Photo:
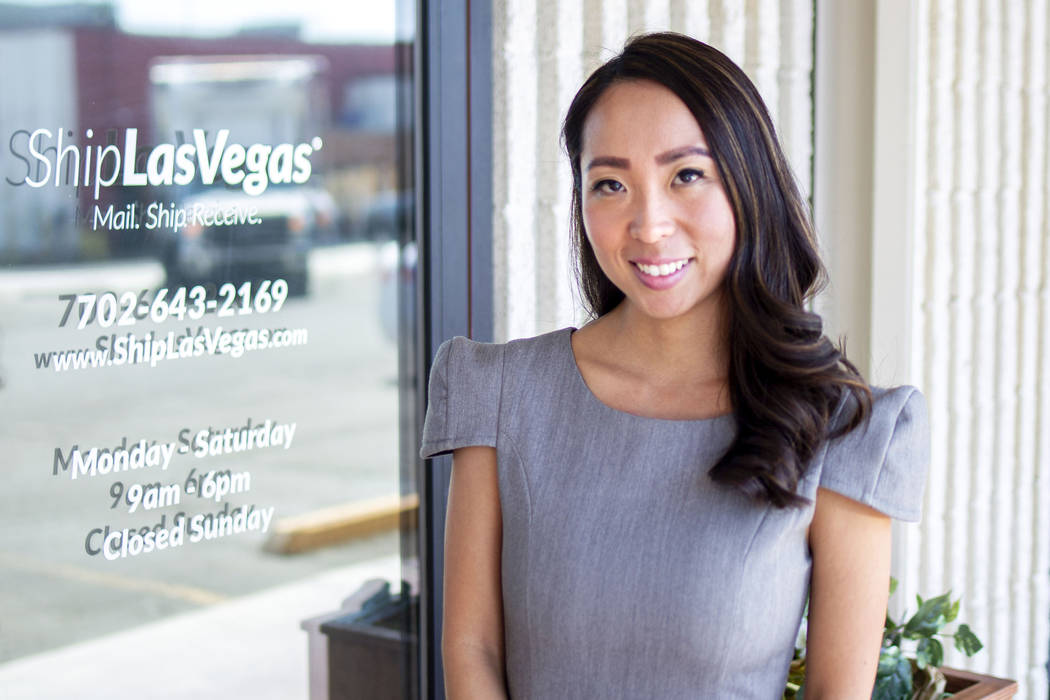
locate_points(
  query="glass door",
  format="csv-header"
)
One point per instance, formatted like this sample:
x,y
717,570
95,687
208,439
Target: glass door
x,y
208,406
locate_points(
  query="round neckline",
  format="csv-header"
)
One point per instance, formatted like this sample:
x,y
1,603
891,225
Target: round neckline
x,y
592,397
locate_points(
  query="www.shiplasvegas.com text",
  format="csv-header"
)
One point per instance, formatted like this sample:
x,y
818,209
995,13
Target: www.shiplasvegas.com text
x,y
131,349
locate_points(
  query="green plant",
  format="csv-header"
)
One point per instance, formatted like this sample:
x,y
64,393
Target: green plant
x,y
911,652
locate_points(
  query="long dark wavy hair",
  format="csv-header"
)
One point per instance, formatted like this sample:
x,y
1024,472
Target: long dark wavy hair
x,y
786,379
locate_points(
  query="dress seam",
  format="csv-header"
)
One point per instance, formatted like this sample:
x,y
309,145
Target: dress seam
x,y
504,438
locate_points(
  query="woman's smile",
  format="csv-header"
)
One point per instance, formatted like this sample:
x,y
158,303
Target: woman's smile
x,y
661,275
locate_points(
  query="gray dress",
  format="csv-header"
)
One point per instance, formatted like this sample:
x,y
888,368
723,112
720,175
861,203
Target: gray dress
x,y
626,571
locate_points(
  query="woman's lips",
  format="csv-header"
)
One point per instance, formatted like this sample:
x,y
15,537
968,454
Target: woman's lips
x,y
662,274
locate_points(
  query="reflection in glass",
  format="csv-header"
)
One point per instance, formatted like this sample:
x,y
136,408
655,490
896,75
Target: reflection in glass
x,y
206,270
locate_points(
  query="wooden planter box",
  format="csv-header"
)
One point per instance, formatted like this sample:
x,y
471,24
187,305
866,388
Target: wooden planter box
x,y
974,686
365,649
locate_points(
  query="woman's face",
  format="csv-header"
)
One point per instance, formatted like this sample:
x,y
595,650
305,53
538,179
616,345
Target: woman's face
x,y
654,209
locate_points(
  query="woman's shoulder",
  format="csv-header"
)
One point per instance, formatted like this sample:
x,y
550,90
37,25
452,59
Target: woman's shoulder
x,y
466,357
461,354
883,461
897,402
468,380
897,412
889,406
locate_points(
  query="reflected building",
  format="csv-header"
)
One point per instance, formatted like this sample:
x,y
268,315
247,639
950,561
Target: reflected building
x,y
87,76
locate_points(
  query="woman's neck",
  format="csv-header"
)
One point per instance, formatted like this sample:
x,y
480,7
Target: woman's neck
x,y
659,368
690,348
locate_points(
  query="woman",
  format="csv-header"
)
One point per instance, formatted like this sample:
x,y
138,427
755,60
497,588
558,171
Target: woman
x,y
639,508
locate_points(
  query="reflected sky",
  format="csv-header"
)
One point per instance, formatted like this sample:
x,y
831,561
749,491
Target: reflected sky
x,y
371,21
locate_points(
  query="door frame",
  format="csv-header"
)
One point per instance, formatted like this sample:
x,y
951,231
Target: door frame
x,y
454,229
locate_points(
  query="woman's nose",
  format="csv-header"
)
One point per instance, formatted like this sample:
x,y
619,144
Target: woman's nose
x,y
651,219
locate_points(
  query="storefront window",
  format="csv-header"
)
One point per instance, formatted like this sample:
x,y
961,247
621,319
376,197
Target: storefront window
x,y
207,328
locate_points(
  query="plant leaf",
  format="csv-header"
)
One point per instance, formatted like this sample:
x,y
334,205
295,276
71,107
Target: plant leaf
x,y
922,656
930,652
893,678
891,632
930,618
953,612
966,641
893,585
936,652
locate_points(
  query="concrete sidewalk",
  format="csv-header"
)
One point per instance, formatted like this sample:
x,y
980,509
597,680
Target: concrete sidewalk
x,y
251,648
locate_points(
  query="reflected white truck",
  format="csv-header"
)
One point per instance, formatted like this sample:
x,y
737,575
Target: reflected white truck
x,y
36,225
228,231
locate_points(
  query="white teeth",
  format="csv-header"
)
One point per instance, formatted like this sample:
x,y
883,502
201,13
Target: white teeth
x,y
663,269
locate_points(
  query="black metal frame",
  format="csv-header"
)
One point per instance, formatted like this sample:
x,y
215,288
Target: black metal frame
x,y
454,230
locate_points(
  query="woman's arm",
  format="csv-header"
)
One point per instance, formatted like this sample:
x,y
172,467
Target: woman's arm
x,y
850,543
472,639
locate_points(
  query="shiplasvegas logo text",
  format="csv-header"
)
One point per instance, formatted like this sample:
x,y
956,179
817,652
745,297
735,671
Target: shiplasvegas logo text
x,y
53,158
150,349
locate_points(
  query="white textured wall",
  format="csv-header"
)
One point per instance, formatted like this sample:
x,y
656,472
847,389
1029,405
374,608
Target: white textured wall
x,y
974,187
543,51
953,292
984,255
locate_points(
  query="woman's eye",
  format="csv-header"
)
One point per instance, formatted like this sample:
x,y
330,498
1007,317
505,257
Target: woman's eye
x,y
607,187
690,175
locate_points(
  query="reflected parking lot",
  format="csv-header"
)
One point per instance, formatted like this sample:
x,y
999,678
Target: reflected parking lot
x,y
345,445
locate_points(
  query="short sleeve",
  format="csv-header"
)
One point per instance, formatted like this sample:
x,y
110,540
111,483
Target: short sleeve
x,y
883,462
464,396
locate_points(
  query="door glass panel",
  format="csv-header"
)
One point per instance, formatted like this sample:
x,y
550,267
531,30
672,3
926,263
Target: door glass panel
x,y
206,301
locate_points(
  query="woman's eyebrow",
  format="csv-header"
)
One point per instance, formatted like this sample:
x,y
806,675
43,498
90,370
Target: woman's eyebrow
x,y
661,159
676,153
610,161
